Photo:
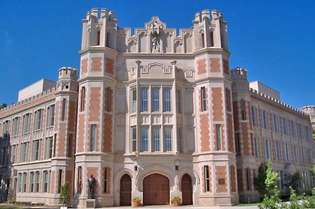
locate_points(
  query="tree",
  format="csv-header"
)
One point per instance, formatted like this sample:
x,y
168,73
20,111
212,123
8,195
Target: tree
x,y
64,194
259,181
271,199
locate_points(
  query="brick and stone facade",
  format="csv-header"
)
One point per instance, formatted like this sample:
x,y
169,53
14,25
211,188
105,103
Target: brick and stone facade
x,y
151,110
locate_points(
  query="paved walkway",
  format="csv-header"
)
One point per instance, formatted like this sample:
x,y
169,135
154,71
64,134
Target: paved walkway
x,y
186,207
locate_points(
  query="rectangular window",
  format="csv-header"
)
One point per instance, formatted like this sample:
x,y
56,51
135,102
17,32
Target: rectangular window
x,y
24,152
38,120
248,179
70,145
37,181
79,181
267,153
106,180
243,110
155,99
45,181
144,139
203,98
24,182
63,109
218,135
59,180
51,116
286,152
228,99
35,150
133,136
49,147
253,116
167,139
15,126
26,123
206,180
108,99
32,182
155,139
166,99
133,100
144,99
20,183
237,143
13,153
179,101
93,137
6,128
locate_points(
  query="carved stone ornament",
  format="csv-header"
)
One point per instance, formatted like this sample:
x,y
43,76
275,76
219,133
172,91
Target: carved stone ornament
x,y
155,28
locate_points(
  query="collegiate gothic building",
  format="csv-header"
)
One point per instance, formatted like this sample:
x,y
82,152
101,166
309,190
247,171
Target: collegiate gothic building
x,y
152,114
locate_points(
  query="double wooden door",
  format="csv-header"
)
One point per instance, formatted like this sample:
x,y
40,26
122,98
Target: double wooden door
x,y
156,190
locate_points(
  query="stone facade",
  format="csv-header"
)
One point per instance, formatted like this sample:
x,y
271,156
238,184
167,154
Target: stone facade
x,y
152,110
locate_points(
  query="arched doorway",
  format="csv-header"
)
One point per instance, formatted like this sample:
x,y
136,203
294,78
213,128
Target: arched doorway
x,y
186,186
125,190
156,190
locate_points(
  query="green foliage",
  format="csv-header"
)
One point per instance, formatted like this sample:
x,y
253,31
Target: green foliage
x,y
64,193
259,181
271,199
310,201
313,170
294,204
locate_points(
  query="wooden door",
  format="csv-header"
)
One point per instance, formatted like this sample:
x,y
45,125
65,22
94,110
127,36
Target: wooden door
x,y
186,186
125,190
156,190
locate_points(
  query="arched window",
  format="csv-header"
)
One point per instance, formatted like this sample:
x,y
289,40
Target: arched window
x,y
202,40
82,101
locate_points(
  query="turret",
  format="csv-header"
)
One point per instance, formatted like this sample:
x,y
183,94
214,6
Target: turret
x,y
67,79
99,29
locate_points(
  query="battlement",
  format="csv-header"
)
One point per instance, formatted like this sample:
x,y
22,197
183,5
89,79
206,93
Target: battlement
x,y
100,13
309,109
277,102
29,100
68,73
239,73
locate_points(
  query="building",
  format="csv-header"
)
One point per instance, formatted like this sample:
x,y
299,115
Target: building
x,y
154,114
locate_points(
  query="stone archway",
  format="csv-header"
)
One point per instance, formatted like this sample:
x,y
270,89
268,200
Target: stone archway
x,y
125,190
156,190
186,186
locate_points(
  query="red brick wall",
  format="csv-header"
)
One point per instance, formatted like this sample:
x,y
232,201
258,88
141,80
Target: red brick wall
x,y
107,132
80,133
217,104
204,133
221,178
96,64
201,66
233,178
110,66
230,135
215,65
84,64
95,96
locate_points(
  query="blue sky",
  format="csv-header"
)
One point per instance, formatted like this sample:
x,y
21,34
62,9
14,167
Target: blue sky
x,y
274,40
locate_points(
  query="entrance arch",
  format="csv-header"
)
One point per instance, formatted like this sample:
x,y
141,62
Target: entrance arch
x,y
125,190
156,190
186,186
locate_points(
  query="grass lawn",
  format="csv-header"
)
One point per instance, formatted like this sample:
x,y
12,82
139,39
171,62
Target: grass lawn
x,y
9,207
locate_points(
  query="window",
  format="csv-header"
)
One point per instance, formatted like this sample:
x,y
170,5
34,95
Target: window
x,y
45,181
13,153
24,182
93,137
155,139
26,123
37,181
167,139
218,135
253,116
106,180
248,179
15,126
38,119
6,128
49,147
35,150
179,101
70,145
202,40
98,37
63,110
267,153
144,139
166,99
237,143
275,123
50,116
203,97
59,180
211,39
24,152
32,182
286,152
108,99
79,180
133,100
107,39
20,183
82,99
228,99
264,119
243,109
144,99
133,136
155,95
206,176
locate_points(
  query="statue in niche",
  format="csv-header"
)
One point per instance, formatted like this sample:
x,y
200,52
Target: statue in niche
x,y
155,33
92,185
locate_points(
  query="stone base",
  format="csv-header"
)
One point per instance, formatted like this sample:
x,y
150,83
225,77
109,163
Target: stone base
x,y
89,203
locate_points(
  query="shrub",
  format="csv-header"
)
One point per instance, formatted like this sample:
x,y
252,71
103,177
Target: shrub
x,y
64,192
176,201
136,201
